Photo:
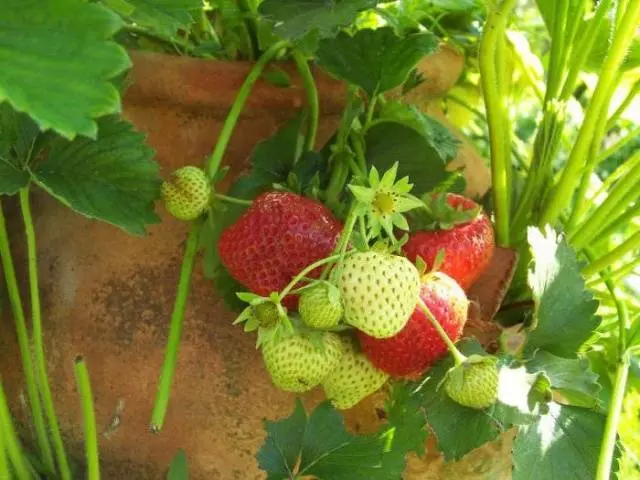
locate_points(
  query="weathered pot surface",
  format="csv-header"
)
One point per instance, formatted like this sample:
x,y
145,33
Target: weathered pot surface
x,y
108,296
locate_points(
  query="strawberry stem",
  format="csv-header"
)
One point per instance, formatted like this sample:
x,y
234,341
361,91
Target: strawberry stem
x,y
175,330
10,443
306,271
17,308
312,99
42,376
458,357
237,201
214,161
89,416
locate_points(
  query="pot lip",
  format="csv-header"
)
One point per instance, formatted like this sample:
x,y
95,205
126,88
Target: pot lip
x,y
196,83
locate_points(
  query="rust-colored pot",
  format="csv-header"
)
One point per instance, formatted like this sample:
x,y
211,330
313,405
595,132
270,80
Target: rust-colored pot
x,y
108,296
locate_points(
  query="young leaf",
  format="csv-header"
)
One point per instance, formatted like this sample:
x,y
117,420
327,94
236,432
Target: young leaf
x,y
564,443
389,141
320,447
294,19
112,179
437,136
564,314
571,377
61,80
375,60
164,17
179,469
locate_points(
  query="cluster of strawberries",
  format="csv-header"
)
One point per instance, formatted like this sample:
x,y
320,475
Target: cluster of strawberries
x,y
347,318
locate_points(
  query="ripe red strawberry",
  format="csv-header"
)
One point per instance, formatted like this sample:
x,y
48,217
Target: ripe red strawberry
x,y
468,246
418,345
278,236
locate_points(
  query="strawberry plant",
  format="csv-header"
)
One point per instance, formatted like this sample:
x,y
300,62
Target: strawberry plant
x,y
355,263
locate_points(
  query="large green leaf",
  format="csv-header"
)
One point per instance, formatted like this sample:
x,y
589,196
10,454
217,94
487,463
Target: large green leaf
x,y
564,316
320,446
375,60
571,377
295,18
112,179
57,59
564,443
391,142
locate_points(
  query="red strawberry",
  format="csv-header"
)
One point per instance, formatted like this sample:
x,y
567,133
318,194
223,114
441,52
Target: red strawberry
x,y
418,345
278,236
468,246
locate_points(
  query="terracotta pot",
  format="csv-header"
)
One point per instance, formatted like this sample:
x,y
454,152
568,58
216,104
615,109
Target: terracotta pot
x,y
108,296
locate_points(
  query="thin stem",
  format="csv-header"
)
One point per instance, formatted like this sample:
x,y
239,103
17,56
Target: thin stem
x,y
305,272
605,461
559,199
175,330
499,128
356,142
11,442
581,52
629,245
370,111
23,343
621,220
618,173
633,92
237,201
556,63
214,161
42,375
458,357
613,204
312,99
616,275
89,416
4,462
632,135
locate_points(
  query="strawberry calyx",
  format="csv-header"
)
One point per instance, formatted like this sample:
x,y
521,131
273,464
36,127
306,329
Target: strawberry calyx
x,y
445,211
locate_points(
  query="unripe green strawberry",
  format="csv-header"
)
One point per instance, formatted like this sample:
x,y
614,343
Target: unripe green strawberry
x,y
187,193
379,292
473,384
297,365
320,306
353,379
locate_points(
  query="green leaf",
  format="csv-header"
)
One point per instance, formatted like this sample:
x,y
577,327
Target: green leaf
x,y
564,315
325,450
571,377
12,178
459,429
564,443
112,179
18,134
59,70
388,142
437,136
375,60
179,469
294,19
164,17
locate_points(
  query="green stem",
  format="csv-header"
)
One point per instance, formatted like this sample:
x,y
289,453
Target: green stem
x,y
214,161
616,275
613,204
556,58
356,142
89,417
175,330
305,272
629,245
559,199
620,172
312,99
632,135
4,462
42,375
11,442
619,221
458,357
499,128
581,52
605,461
237,201
23,343
633,92
370,111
